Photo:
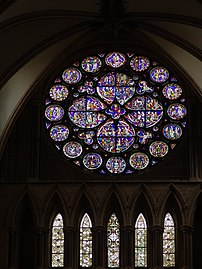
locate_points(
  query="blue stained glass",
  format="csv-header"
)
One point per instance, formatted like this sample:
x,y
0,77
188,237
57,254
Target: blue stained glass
x,y
113,103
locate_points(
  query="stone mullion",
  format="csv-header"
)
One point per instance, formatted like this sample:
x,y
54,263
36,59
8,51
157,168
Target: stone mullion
x,y
99,247
186,247
127,247
156,247
71,254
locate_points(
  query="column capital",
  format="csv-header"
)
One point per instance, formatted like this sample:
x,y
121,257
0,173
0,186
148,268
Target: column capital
x,y
156,228
186,228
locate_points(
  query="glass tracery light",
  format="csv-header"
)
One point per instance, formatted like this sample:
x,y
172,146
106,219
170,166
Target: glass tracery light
x,y
86,241
140,242
115,113
169,241
57,242
113,241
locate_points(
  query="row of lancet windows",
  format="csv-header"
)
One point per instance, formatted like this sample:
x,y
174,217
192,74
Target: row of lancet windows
x,y
113,241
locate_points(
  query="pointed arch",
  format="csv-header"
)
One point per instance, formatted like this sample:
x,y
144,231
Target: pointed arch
x,y
86,241
168,241
140,241
113,241
57,241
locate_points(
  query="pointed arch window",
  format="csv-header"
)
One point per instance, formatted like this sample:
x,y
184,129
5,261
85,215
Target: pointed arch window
x,y
86,241
57,242
140,242
113,241
169,241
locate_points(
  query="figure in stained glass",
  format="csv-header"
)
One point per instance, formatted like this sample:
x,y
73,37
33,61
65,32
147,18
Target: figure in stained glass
x,y
57,242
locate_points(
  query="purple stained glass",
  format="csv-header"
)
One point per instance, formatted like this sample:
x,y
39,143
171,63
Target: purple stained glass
x,y
91,64
72,149
172,91
159,74
71,75
92,161
59,132
115,137
158,149
54,113
115,59
116,165
113,103
59,92
139,160
172,131
176,111
139,63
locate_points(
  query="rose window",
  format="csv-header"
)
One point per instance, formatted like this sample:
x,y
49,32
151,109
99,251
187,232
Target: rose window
x,y
115,113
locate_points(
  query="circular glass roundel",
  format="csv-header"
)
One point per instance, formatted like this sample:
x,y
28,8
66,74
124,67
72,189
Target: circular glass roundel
x,y
139,63
139,160
159,74
92,161
59,132
116,165
172,91
158,149
115,113
58,92
176,111
72,149
71,75
91,64
54,113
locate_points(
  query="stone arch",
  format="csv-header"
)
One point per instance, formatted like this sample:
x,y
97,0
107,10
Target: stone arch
x,y
171,200
143,201
113,200
54,202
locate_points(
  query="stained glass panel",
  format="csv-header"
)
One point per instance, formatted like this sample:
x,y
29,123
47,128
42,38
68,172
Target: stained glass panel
x,y
140,242
115,112
113,241
169,241
57,242
86,241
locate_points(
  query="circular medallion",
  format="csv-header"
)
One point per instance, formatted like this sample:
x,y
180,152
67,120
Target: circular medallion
x,y
72,149
172,91
159,74
139,160
172,131
92,161
176,111
116,165
54,113
58,92
91,64
158,149
59,132
139,63
71,75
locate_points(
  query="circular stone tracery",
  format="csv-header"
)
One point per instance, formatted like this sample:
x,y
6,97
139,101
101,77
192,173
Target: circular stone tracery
x,y
115,113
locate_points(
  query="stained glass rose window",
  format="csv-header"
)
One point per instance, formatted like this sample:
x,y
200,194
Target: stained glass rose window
x,y
115,113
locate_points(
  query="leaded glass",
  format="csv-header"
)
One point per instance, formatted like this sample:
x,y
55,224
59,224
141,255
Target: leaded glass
x,y
57,242
169,241
86,241
115,112
140,242
113,241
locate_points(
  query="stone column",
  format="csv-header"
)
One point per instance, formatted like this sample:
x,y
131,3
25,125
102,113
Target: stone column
x,y
156,247
40,247
12,248
99,247
71,259
186,247
127,247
